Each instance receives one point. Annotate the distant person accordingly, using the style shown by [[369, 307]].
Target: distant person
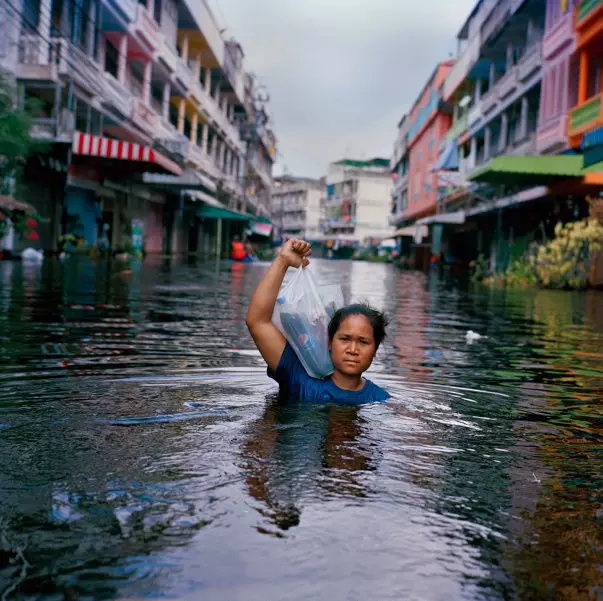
[[237, 250], [250, 250], [355, 333]]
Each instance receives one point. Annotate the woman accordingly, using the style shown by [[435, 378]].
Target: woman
[[355, 333]]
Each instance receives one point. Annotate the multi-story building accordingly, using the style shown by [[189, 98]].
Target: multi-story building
[[559, 90], [399, 169], [357, 203], [585, 126], [429, 121], [142, 105], [296, 206]]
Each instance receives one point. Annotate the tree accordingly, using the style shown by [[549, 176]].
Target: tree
[[16, 144]]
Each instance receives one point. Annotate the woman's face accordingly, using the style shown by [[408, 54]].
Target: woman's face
[[353, 346]]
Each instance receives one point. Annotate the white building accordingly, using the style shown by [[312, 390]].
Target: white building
[[357, 203], [140, 102], [296, 206]]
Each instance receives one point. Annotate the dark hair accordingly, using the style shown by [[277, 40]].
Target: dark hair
[[377, 319]]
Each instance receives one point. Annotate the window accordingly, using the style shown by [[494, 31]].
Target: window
[[111, 58], [30, 16]]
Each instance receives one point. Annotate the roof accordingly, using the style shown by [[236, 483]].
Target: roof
[[463, 33], [511, 169], [376, 162]]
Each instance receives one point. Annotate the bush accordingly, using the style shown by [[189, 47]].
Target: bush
[[565, 261]]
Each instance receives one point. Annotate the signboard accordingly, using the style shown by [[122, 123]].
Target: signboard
[[263, 229]]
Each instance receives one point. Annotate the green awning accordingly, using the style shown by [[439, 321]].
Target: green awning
[[528, 170], [211, 212], [259, 218]]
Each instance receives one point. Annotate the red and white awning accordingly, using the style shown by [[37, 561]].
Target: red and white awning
[[107, 148]]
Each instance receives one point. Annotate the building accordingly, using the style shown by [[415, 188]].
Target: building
[[560, 77], [296, 206], [399, 169], [428, 123], [142, 105], [356, 206]]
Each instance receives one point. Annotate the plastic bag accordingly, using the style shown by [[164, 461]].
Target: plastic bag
[[302, 313]]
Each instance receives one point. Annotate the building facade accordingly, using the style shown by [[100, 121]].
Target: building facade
[[559, 79], [296, 206], [429, 121], [143, 106], [399, 169], [356, 205]]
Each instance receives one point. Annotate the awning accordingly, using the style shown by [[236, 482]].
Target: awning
[[189, 180], [455, 217], [449, 159], [528, 170], [107, 148], [8, 202], [410, 231], [212, 212]]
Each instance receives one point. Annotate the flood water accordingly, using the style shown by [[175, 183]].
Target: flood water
[[143, 451]]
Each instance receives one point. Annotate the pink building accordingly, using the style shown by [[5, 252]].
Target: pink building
[[560, 77], [428, 125]]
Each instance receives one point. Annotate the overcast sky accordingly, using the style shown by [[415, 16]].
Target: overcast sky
[[340, 73]]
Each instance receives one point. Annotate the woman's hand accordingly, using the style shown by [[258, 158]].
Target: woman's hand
[[295, 253]]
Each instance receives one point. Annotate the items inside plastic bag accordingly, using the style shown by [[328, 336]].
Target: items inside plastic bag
[[302, 313]]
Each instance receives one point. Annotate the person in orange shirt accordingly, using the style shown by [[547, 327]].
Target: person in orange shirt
[[237, 250]]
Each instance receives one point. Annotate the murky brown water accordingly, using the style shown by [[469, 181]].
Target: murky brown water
[[144, 453]]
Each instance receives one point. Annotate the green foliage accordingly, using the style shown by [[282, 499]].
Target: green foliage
[[16, 144], [563, 262]]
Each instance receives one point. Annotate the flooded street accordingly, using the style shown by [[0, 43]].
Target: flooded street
[[144, 452]]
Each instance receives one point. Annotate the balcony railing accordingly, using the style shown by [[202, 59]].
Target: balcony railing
[[184, 74], [585, 117], [195, 155], [530, 62], [117, 95], [460, 125], [586, 8], [167, 54], [143, 115], [146, 27]]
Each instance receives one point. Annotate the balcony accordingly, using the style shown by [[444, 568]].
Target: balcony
[[144, 116], [589, 24], [496, 20], [146, 28], [524, 147], [124, 9], [552, 135], [459, 127], [195, 155], [116, 95], [561, 35], [166, 55], [508, 83], [183, 74], [586, 10], [400, 183], [530, 63], [489, 101], [585, 117]]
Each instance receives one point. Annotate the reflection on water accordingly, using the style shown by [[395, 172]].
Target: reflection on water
[[145, 452]]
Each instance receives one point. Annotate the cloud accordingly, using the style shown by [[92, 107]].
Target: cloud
[[341, 72]]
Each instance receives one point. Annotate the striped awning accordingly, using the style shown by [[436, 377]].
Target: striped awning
[[107, 148]]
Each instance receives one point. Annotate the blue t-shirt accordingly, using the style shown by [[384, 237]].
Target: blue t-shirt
[[297, 384]]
